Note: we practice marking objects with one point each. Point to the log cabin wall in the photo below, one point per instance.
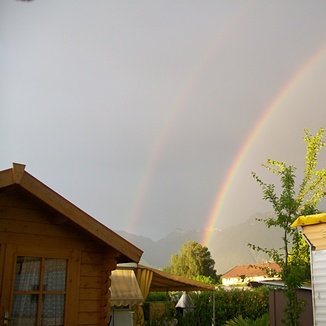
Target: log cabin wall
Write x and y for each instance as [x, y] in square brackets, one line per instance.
[29, 227]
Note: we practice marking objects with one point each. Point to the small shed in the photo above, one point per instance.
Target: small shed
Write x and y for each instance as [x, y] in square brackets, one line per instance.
[55, 260]
[278, 300]
[314, 231]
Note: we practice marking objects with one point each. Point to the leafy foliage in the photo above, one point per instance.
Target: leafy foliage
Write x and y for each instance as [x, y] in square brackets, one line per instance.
[239, 321]
[293, 257]
[193, 261]
[249, 304]
[158, 296]
[205, 279]
[237, 302]
[229, 304]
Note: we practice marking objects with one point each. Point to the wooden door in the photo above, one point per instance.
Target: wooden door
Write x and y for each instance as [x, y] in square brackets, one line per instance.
[37, 287]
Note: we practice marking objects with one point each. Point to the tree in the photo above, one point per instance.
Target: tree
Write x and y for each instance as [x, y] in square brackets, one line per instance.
[192, 261]
[288, 205]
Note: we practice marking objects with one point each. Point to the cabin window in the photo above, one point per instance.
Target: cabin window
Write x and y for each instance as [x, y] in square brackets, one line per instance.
[39, 291]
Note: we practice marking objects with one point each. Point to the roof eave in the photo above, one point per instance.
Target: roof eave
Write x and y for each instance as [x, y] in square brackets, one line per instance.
[18, 175]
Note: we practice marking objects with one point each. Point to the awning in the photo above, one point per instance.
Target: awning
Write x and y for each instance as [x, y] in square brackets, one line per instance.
[124, 288]
[162, 282]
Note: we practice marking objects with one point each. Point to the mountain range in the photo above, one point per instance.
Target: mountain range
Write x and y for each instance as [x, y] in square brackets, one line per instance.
[228, 247]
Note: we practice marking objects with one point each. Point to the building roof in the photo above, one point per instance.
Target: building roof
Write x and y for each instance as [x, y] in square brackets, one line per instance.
[251, 270]
[17, 177]
[280, 284]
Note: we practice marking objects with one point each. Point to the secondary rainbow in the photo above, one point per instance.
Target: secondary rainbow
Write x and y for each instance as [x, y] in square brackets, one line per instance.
[173, 117]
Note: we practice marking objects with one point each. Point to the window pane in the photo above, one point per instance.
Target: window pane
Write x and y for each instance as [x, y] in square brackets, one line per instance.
[27, 274]
[24, 309]
[37, 306]
[53, 309]
[54, 274]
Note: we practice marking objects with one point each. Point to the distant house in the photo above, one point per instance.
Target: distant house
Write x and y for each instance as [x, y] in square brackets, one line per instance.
[243, 274]
[55, 260]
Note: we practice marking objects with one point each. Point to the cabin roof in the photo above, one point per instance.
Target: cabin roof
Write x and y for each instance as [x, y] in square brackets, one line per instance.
[18, 177]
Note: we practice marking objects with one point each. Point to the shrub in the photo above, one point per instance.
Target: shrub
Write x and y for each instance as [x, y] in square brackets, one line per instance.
[247, 305]
[239, 321]
[239, 302]
[229, 304]
[158, 296]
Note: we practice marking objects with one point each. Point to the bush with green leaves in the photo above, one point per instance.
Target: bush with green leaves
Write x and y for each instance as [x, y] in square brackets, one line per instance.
[249, 304]
[237, 302]
[158, 296]
[240, 321]
[229, 304]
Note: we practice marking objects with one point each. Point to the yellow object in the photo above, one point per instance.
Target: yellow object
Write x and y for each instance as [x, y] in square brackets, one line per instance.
[144, 279]
[125, 289]
[309, 220]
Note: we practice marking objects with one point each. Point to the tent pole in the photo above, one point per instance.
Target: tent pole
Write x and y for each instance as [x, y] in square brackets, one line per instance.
[213, 321]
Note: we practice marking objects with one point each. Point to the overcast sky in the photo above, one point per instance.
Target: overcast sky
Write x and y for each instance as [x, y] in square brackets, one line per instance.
[137, 111]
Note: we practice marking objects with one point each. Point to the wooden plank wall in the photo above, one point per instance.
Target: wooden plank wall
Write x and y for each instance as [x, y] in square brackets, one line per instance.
[24, 222]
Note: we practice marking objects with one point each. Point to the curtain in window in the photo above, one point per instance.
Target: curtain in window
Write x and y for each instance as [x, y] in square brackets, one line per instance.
[27, 279]
[39, 291]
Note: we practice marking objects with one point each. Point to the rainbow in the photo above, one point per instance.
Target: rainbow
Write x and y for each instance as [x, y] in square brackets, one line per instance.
[178, 106]
[247, 145]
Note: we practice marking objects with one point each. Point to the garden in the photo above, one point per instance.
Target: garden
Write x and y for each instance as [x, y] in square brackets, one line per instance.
[235, 306]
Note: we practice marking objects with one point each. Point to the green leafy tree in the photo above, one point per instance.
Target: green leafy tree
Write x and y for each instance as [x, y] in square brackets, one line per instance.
[206, 279]
[193, 260]
[290, 203]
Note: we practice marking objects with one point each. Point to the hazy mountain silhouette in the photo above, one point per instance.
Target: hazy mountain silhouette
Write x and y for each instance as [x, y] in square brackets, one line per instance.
[229, 246]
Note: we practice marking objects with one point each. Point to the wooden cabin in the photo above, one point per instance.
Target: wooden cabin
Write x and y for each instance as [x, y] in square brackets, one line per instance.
[55, 260]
